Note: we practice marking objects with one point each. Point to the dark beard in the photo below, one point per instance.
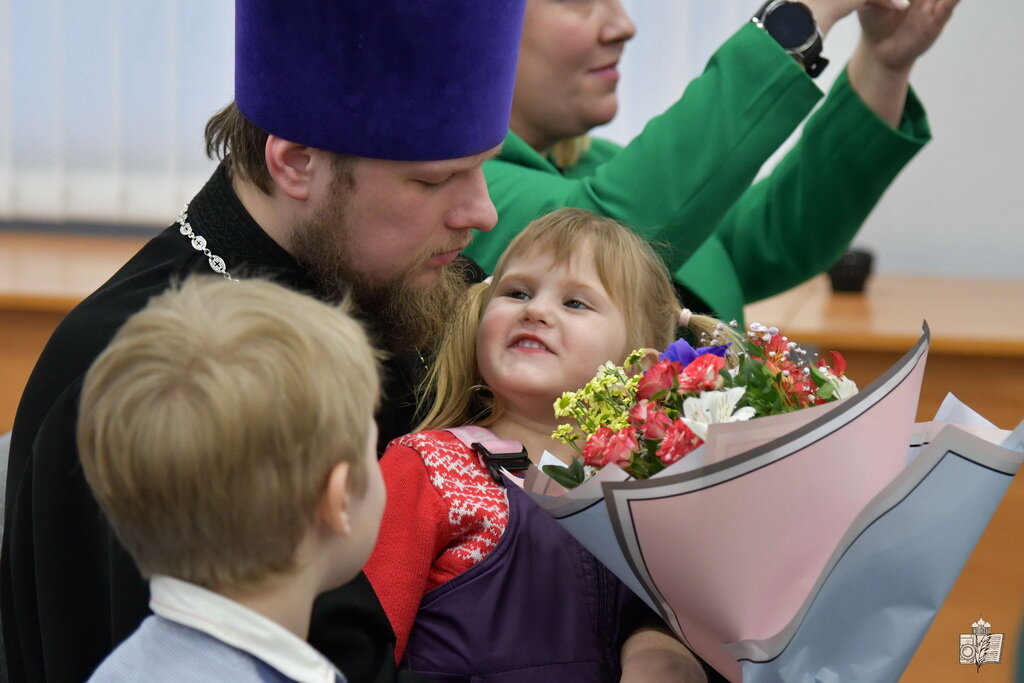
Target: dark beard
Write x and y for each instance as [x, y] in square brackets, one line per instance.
[398, 317]
[403, 318]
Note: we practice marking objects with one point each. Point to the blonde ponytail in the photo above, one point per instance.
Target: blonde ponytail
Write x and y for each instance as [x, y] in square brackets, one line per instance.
[708, 331]
[568, 152]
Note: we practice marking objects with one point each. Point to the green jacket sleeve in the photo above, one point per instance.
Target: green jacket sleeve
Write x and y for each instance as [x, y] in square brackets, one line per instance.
[676, 181]
[797, 221]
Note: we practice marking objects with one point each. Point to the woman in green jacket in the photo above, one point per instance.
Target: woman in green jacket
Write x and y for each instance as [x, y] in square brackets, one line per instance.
[687, 180]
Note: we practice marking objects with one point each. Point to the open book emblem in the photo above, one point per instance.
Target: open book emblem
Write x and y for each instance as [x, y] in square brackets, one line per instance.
[981, 646]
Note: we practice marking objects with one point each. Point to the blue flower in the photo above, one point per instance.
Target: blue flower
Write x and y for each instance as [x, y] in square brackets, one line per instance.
[680, 351]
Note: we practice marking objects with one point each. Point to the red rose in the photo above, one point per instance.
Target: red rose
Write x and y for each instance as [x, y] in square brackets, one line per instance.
[657, 425]
[605, 447]
[651, 422]
[638, 413]
[621, 447]
[659, 378]
[701, 374]
[679, 440]
[597, 443]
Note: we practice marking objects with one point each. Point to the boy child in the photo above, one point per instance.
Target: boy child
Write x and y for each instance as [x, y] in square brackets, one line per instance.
[227, 433]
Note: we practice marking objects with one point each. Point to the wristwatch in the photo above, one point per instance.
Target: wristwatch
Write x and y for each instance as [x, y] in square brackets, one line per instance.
[792, 25]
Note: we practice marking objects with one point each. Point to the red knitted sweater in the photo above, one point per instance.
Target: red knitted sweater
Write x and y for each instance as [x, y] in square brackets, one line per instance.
[444, 514]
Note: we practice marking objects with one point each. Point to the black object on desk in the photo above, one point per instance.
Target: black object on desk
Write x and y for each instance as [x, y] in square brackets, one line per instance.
[851, 271]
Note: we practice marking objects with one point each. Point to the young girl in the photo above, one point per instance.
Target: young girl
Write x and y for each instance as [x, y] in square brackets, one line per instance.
[479, 583]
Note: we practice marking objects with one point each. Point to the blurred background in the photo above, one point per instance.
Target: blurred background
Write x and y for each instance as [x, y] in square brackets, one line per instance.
[103, 103]
[102, 107]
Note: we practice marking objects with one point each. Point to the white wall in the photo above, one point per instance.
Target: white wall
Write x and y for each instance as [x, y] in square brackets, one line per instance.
[956, 209]
[102, 105]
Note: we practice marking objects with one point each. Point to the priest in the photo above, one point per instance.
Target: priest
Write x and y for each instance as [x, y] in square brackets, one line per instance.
[351, 165]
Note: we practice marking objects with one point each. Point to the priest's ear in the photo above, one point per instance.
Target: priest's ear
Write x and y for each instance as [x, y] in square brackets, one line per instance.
[294, 168]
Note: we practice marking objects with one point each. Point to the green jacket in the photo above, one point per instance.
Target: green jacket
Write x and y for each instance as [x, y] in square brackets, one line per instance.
[687, 181]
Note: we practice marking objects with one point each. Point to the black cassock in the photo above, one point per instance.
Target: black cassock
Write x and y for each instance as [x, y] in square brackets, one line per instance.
[69, 593]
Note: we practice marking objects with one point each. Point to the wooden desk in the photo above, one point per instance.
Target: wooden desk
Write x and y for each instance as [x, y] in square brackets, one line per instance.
[977, 353]
[42, 277]
[977, 327]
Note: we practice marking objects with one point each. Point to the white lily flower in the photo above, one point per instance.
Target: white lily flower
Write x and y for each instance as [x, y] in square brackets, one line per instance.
[844, 386]
[713, 407]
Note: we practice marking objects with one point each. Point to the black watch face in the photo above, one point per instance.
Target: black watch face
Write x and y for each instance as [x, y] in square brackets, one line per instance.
[791, 24]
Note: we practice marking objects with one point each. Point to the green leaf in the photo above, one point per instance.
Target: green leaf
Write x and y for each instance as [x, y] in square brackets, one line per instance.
[637, 469]
[818, 376]
[576, 470]
[570, 477]
[654, 466]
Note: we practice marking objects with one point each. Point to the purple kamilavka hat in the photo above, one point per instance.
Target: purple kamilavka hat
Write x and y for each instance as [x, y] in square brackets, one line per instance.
[409, 80]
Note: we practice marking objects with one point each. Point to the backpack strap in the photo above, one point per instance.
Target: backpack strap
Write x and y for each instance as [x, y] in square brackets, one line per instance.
[494, 453]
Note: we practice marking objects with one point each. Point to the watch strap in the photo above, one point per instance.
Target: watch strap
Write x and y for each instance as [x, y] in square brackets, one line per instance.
[809, 52]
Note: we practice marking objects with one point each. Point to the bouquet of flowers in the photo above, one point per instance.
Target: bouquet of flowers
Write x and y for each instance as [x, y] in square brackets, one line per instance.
[783, 524]
[645, 422]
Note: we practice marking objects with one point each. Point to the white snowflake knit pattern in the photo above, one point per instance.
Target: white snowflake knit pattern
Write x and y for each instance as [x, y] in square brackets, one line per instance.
[477, 507]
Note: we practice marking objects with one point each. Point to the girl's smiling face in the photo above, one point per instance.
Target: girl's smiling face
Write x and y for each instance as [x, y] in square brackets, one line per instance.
[546, 330]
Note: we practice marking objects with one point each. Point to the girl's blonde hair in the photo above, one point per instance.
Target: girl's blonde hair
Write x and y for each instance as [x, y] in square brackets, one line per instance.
[630, 271]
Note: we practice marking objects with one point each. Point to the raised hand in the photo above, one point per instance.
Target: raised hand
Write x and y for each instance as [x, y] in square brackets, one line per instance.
[896, 39]
[891, 41]
[828, 12]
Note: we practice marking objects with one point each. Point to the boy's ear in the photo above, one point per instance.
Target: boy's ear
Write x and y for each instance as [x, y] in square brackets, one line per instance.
[333, 508]
[290, 165]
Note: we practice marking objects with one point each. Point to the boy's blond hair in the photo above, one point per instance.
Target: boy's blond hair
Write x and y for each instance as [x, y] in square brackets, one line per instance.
[208, 426]
[630, 271]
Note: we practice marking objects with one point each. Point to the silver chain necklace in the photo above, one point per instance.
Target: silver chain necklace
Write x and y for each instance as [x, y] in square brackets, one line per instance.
[217, 263]
[199, 244]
